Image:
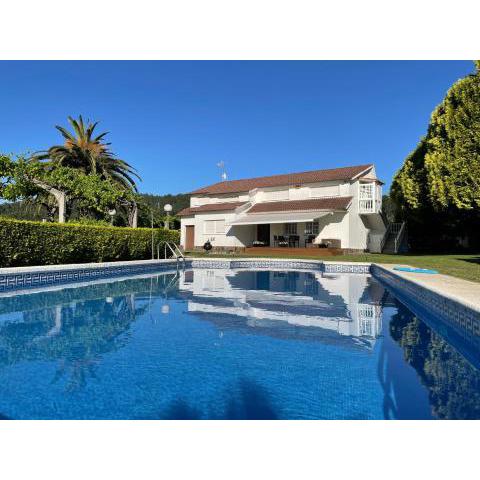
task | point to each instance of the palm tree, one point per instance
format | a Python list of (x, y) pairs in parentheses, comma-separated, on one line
[(85, 151), (89, 153)]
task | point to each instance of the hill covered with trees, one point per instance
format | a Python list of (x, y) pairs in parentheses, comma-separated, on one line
[(148, 203)]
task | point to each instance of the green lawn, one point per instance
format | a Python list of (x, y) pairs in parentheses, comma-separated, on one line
[(462, 266)]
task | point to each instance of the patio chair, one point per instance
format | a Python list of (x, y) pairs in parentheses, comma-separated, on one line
[(282, 241), (309, 241), (258, 243), (331, 242), (294, 241)]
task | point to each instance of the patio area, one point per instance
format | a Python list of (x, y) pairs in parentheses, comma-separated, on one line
[(296, 236), (293, 252)]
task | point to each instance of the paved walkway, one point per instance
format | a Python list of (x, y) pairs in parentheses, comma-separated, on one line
[(462, 291)]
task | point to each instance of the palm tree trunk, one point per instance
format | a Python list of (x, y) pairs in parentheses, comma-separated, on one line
[(59, 196), (133, 215)]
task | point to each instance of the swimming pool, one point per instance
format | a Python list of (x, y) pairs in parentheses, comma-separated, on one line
[(231, 344)]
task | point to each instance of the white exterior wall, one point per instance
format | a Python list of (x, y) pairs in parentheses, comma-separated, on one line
[(197, 201), (313, 190), (335, 226), (357, 227), (237, 236)]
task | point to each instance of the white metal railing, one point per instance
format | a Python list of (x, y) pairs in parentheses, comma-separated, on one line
[(173, 248), (369, 198), (366, 206), (396, 229)]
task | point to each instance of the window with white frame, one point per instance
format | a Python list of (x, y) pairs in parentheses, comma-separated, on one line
[(312, 228), (290, 228), (209, 227), (214, 227)]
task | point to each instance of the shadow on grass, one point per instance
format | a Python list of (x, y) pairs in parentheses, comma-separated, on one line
[(475, 260)]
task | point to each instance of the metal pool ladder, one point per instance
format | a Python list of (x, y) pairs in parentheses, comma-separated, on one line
[(175, 250)]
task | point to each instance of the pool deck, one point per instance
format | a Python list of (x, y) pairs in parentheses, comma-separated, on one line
[(462, 291)]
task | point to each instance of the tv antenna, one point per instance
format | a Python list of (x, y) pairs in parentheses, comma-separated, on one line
[(221, 166)]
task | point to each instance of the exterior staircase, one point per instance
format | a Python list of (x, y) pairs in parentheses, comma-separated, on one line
[(389, 245), (394, 238)]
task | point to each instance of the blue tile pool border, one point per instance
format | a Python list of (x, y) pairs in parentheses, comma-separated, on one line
[(326, 267), (23, 278), (12, 279)]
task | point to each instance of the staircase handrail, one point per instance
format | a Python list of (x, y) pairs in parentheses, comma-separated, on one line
[(399, 237)]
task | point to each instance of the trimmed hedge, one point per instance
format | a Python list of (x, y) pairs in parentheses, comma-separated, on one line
[(35, 243)]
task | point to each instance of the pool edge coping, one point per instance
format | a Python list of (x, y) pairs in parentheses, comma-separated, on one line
[(419, 283)]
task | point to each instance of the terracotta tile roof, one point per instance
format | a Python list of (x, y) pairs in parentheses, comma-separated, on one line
[(211, 207), (330, 203), (245, 185)]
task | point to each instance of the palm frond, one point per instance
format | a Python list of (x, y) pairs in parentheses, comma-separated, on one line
[(99, 137), (66, 134), (78, 127)]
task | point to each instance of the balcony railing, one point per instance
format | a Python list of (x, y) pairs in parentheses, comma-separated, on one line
[(369, 198)]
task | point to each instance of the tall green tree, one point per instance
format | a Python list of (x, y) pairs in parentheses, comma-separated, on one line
[(438, 187)]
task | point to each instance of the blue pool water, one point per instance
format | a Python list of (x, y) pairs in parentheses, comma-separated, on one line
[(225, 344)]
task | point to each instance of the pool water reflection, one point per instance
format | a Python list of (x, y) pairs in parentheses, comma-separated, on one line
[(231, 344)]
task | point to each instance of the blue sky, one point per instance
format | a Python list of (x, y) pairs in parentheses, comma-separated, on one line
[(174, 121)]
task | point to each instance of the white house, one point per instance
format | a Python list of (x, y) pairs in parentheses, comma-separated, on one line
[(339, 207)]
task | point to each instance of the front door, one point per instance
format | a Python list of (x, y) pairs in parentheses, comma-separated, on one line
[(189, 237), (263, 233)]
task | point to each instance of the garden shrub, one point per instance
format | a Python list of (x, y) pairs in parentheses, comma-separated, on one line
[(35, 243)]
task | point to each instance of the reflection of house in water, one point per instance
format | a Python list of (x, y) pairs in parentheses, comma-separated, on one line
[(345, 305)]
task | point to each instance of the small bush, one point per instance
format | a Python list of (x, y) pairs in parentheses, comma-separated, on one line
[(25, 243)]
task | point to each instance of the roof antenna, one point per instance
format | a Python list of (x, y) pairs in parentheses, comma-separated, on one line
[(221, 166)]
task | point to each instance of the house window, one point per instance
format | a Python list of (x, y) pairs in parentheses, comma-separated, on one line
[(209, 227), (290, 228), (311, 228), (219, 226), (214, 226)]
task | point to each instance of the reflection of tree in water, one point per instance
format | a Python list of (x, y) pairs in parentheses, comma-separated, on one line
[(77, 335), (453, 383)]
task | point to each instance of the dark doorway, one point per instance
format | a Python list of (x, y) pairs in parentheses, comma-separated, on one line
[(263, 234)]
